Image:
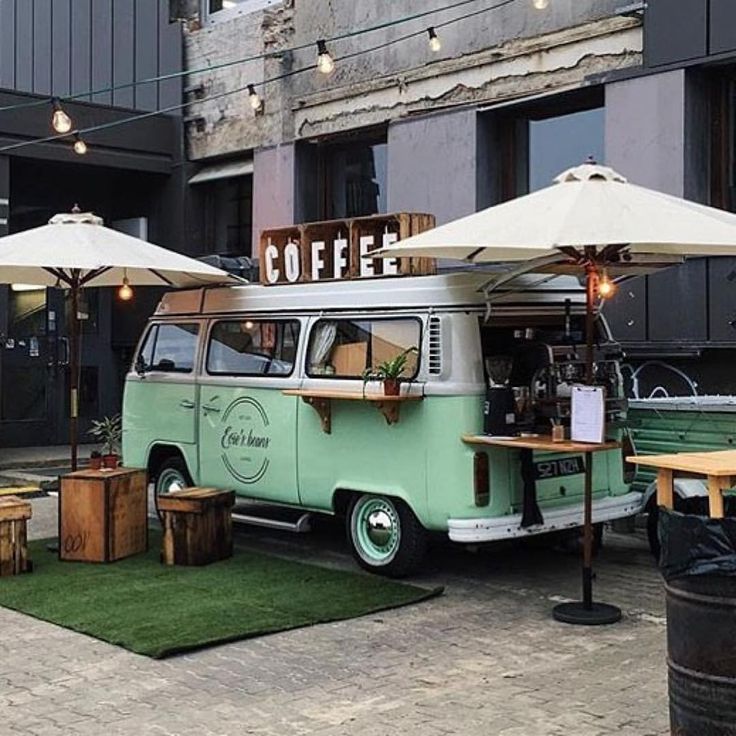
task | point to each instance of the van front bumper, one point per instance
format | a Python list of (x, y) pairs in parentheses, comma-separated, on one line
[(564, 517)]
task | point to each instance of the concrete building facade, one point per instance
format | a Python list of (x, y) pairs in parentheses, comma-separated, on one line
[(514, 95)]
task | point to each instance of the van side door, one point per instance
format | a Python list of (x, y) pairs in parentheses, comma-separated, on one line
[(161, 394), (247, 427)]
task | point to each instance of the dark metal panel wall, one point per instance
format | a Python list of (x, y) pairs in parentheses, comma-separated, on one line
[(675, 31), (81, 50), (4, 194), (42, 46), (677, 303), (146, 53), (722, 26), (101, 50), (627, 312), (64, 47), (722, 302)]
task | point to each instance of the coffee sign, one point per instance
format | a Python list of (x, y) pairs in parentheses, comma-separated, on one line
[(335, 250)]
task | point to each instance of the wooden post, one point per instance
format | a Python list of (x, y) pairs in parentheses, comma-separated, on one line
[(665, 489), (716, 486)]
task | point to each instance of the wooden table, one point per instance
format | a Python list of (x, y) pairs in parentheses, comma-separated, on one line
[(544, 443), (198, 527), (718, 467), (14, 512)]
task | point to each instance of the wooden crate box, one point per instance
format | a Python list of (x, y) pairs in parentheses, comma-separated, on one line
[(14, 512), (103, 515), (198, 527)]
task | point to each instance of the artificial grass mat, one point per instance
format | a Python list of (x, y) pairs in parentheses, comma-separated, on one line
[(140, 604)]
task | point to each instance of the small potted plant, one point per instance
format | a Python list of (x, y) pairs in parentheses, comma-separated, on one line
[(389, 372), (108, 431), (95, 460)]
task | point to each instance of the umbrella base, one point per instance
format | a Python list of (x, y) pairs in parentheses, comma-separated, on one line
[(597, 614)]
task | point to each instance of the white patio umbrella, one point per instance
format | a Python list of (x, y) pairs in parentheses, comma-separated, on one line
[(76, 251), (591, 220)]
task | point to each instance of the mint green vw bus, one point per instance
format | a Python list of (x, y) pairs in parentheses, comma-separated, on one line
[(260, 389)]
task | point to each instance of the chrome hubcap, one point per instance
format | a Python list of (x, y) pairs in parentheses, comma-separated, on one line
[(380, 527)]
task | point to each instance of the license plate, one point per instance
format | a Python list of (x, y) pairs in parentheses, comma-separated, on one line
[(559, 468)]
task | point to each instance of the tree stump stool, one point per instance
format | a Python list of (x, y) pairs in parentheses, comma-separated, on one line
[(198, 526), (14, 513)]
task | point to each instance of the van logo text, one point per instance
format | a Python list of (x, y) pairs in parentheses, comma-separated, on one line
[(245, 440)]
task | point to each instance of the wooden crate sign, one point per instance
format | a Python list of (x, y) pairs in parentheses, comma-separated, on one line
[(334, 250), (103, 515)]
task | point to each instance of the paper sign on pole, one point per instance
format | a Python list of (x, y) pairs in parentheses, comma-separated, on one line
[(588, 414)]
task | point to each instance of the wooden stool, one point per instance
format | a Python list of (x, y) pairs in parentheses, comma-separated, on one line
[(13, 545), (198, 526), (103, 515)]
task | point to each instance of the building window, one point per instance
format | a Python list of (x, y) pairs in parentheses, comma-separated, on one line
[(216, 10), (228, 216), (722, 135), (541, 140)]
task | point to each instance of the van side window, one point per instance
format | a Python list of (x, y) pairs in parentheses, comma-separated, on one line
[(170, 348), (253, 348), (345, 348)]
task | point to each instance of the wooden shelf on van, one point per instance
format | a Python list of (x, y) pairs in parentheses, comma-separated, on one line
[(543, 443), (321, 402)]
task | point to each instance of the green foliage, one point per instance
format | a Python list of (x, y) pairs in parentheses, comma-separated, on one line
[(109, 432), (392, 368)]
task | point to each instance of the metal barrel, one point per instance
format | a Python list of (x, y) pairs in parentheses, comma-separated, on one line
[(701, 645)]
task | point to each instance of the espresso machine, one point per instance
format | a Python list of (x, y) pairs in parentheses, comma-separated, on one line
[(499, 409)]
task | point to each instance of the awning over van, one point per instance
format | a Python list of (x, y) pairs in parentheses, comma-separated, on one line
[(223, 170)]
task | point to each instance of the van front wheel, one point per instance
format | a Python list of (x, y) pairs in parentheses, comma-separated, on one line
[(385, 536), (171, 475)]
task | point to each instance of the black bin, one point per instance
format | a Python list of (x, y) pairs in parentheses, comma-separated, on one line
[(698, 561)]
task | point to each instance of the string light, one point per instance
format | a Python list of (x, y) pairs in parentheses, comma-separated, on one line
[(606, 287), (325, 62), (434, 40), (219, 95), (540, 4), (80, 147), (255, 101), (60, 121), (125, 292)]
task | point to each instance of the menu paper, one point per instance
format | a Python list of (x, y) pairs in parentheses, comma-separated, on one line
[(588, 414)]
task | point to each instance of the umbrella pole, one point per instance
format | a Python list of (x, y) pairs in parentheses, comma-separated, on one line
[(74, 373), (586, 612)]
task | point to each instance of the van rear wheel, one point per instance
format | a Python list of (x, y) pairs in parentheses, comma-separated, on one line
[(385, 536), (170, 475)]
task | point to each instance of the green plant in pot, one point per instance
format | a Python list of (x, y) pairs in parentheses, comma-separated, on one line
[(108, 431), (390, 372)]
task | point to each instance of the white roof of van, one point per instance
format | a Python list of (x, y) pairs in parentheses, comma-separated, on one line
[(440, 291)]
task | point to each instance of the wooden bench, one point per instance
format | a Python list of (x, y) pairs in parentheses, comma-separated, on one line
[(14, 513), (198, 527)]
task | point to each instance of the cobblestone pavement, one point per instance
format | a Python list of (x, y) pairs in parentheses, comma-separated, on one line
[(485, 658)]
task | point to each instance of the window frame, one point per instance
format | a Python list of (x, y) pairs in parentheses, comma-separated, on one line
[(256, 320), (244, 8), (156, 326), (335, 377)]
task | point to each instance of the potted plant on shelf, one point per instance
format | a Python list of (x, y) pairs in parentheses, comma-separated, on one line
[(108, 431), (389, 372), (95, 460)]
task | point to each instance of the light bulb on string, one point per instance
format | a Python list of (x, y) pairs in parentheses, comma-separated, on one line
[(255, 100), (125, 292), (80, 147), (60, 121), (606, 287), (540, 4), (325, 62), (434, 40)]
